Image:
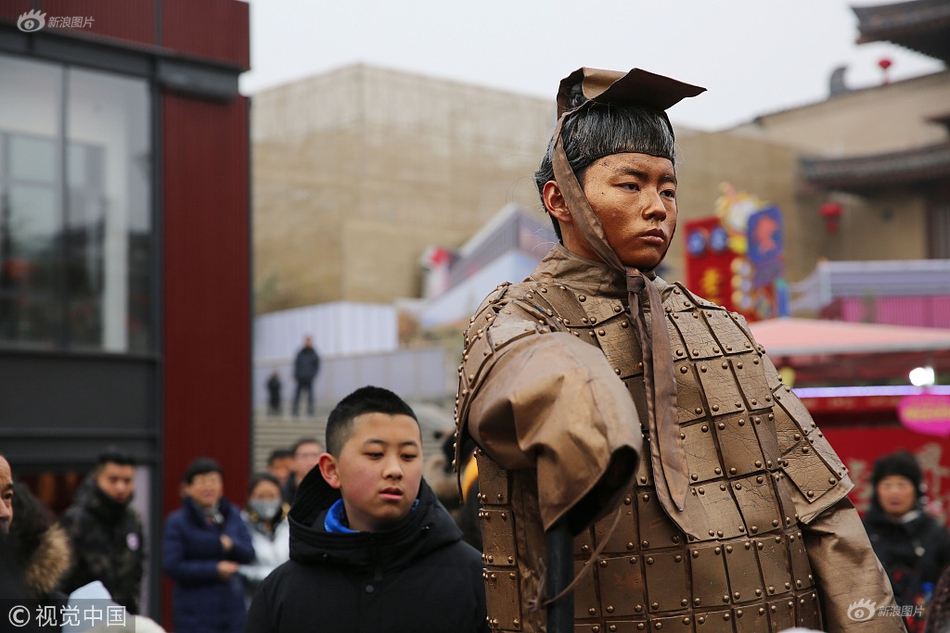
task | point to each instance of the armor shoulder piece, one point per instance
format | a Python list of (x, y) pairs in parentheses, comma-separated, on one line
[(505, 316), (690, 298)]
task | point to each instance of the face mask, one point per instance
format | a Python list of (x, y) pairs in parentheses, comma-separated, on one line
[(265, 508)]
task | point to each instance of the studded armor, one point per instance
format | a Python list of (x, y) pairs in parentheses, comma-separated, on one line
[(759, 469)]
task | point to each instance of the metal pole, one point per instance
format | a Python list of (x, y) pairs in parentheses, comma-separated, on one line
[(560, 571)]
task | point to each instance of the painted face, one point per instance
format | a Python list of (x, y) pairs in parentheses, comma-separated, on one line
[(6, 496), (634, 197), (117, 481), (206, 489), (896, 495), (378, 471)]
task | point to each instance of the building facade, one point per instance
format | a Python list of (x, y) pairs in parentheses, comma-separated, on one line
[(124, 244), (358, 170)]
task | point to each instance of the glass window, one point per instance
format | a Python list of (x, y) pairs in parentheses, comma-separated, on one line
[(75, 210)]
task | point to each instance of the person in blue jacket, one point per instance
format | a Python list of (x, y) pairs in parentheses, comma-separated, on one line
[(202, 546)]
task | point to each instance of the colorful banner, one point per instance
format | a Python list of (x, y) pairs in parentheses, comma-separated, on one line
[(709, 260), (737, 257)]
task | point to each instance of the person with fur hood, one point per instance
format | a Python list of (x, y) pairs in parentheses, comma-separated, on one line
[(41, 547)]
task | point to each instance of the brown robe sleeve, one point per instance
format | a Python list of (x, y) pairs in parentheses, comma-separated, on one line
[(551, 402), (847, 571)]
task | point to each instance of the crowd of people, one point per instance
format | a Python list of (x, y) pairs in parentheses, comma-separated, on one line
[(370, 533)]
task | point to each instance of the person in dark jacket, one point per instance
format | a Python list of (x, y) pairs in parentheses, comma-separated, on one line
[(911, 545), (371, 548), (274, 388), (306, 366), (202, 546), (106, 531)]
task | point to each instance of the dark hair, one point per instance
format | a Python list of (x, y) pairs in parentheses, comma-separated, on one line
[(900, 463), (257, 478), (604, 129), (363, 400), (301, 442), (279, 453), (31, 520), (201, 466), (114, 455)]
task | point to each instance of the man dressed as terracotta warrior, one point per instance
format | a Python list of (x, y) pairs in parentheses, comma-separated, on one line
[(646, 420)]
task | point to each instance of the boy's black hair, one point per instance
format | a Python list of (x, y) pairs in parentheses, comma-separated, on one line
[(363, 400), (601, 130), (201, 466), (114, 455)]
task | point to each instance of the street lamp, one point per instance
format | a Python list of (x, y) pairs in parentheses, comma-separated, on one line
[(922, 376)]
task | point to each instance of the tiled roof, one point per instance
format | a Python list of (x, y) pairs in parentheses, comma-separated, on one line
[(864, 172), (920, 25)]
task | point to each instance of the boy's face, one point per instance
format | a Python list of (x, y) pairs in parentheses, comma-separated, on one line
[(634, 197), (378, 471)]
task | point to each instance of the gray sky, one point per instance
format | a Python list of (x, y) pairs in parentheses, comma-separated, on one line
[(754, 56)]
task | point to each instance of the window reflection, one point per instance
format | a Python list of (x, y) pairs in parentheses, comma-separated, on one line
[(75, 212)]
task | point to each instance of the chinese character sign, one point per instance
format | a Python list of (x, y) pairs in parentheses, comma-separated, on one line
[(737, 257)]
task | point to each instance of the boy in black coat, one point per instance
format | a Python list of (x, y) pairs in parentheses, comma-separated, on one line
[(371, 548)]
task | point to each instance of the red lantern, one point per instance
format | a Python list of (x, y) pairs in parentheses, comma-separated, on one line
[(831, 212), (884, 64)]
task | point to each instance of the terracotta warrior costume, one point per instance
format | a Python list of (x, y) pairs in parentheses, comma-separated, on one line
[(734, 517)]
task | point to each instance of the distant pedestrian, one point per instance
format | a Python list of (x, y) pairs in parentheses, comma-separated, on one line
[(280, 463), (306, 367), (202, 546), (106, 532), (306, 453), (913, 547), (274, 397), (373, 549), (266, 519)]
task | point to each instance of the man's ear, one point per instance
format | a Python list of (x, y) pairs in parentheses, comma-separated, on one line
[(555, 204), (329, 469)]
